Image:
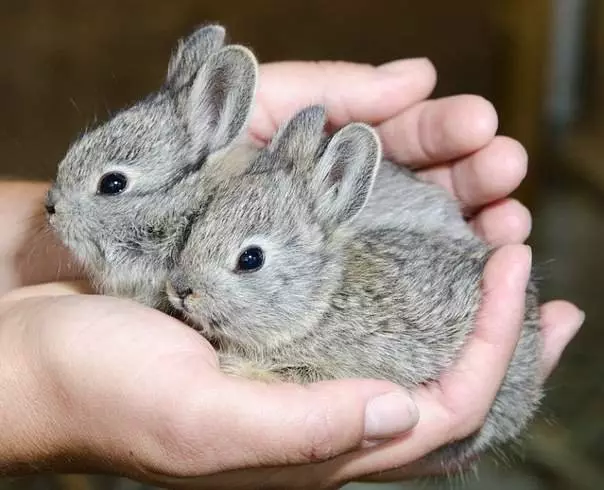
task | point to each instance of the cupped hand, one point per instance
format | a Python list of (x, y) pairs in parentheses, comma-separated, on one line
[(111, 386), (450, 141), (107, 385), (140, 394)]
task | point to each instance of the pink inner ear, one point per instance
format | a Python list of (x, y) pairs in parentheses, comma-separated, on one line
[(337, 172)]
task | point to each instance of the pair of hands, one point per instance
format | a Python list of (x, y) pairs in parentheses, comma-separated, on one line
[(108, 385)]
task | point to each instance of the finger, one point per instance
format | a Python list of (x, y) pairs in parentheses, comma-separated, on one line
[(445, 411), (503, 223), (560, 322), (487, 175), (287, 424), (499, 322), (439, 130), (351, 92)]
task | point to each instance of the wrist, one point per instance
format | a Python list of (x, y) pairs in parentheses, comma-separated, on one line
[(35, 431)]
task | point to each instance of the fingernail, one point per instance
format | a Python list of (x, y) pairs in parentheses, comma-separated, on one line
[(390, 415), (401, 66)]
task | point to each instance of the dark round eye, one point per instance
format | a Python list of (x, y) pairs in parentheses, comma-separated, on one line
[(251, 260), (112, 183)]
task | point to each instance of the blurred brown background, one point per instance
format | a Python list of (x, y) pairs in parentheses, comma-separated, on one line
[(64, 64)]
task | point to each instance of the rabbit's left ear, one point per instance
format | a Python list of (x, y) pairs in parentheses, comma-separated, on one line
[(296, 143), (342, 177), (221, 98), (191, 53)]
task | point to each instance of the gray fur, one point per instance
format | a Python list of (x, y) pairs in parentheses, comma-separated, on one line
[(162, 144), (190, 54), (388, 289)]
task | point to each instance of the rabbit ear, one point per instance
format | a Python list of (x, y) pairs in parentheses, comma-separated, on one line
[(220, 101), (343, 176), (297, 142), (191, 52)]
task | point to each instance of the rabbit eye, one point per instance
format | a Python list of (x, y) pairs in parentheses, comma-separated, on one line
[(251, 260), (112, 183)]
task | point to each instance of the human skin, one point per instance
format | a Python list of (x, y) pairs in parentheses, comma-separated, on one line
[(111, 386)]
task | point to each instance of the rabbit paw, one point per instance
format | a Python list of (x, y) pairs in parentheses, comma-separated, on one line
[(246, 368)]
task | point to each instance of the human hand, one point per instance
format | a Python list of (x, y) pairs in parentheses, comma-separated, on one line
[(450, 141), (111, 386), (108, 385), (453, 142)]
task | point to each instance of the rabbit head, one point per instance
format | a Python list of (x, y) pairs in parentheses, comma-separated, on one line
[(264, 252), (122, 190)]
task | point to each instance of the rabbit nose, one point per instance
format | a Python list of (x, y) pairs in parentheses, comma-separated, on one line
[(50, 202), (182, 293), (179, 289)]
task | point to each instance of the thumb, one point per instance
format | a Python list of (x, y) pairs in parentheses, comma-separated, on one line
[(254, 424), (48, 289)]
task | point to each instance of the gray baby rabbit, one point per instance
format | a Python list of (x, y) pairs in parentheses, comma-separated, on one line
[(122, 197), (296, 273)]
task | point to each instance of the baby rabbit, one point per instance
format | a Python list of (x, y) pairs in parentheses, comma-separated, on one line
[(291, 272), (122, 197)]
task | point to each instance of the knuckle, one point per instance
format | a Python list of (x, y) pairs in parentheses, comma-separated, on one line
[(319, 444), (330, 67), (174, 431), (466, 422), (461, 419)]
